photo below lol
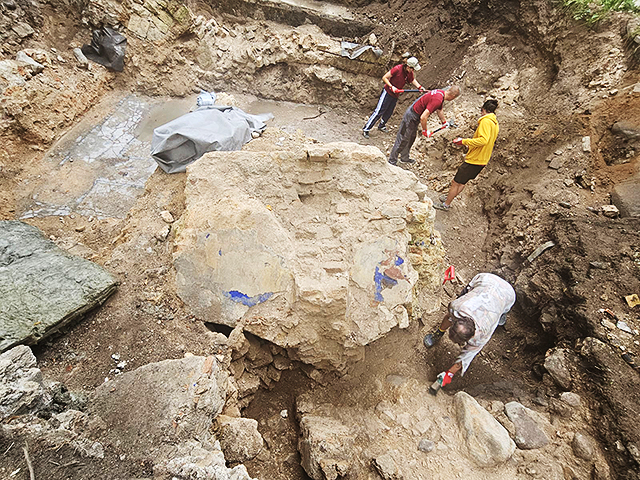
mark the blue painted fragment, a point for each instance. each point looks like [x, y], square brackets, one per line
[382, 281]
[244, 299]
[220, 252]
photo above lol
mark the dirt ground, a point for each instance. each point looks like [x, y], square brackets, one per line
[512, 208]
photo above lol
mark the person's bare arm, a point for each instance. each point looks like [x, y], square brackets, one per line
[423, 119]
[440, 113]
[387, 81]
[455, 368]
[416, 84]
[446, 322]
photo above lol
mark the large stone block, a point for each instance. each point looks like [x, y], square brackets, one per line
[43, 287]
[487, 441]
[165, 402]
[626, 196]
[307, 249]
[21, 386]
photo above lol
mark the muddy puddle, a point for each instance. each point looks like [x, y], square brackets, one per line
[100, 167]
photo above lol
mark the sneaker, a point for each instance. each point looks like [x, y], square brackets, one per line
[442, 198]
[408, 160]
[383, 128]
[441, 206]
[393, 162]
[432, 338]
[365, 134]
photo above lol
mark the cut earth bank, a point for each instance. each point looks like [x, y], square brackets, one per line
[334, 406]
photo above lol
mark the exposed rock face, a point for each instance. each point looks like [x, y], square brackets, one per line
[21, 387]
[528, 434]
[325, 447]
[488, 442]
[310, 250]
[172, 400]
[556, 365]
[239, 438]
[43, 287]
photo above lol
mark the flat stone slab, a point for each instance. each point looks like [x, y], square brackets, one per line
[43, 287]
[626, 196]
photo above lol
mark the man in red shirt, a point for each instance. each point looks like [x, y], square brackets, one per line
[394, 80]
[417, 114]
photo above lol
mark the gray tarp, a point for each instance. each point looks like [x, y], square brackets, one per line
[182, 141]
[353, 50]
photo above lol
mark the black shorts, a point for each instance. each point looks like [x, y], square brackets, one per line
[467, 172]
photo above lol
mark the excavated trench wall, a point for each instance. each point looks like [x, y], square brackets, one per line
[558, 69]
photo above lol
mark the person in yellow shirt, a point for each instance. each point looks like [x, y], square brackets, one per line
[480, 149]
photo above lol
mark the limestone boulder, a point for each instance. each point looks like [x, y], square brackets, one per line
[239, 438]
[325, 447]
[529, 435]
[487, 441]
[21, 386]
[626, 197]
[165, 402]
[318, 251]
[556, 364]
[583, 446]
[191, 460]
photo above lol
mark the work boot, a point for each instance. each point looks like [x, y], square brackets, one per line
[432, 338]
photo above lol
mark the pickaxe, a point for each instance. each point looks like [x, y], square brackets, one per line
[447, 124]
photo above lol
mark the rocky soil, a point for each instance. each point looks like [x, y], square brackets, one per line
[570, 125]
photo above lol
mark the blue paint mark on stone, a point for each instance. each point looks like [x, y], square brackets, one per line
[220, 252]
[244, 299]
[382, 281]
[399, 261]
[207, 236]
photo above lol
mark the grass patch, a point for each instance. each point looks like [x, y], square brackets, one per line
[593, 11]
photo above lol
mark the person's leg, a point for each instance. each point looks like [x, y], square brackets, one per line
[400, 138]
[465, 173]
[410, 135]
[454, 191]
[377, 112]
[387, 110]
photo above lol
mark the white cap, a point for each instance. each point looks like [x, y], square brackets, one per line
[413, 63]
